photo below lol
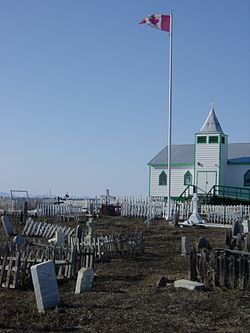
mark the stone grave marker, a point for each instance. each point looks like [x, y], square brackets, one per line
[185, 248]
[58, 240]
[79, 232]
[246, 226]
[195, 217]
[45, 285]
[25, 210]
[19, 240]
[84, 280]
[7, 225]
[239, 242]
[203, 243]
[190, 285]
[247, 243]
[90, 232]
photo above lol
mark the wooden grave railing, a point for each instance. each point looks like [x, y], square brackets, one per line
[221, 267]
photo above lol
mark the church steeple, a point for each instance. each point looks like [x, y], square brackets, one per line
[211, 124]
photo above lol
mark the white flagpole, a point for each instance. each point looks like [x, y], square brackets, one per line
[169, 215]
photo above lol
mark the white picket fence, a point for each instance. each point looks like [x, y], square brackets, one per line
[154, 209]
[139, 207]
[225, 214]
[150, 209]
[53, 210]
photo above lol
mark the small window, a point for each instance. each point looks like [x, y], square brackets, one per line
[188, 178]
[163, 178]
[222, 139]
[213, 139]
[247, 178]
[201, 139]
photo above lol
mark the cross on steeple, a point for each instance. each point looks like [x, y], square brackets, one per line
[212, 104]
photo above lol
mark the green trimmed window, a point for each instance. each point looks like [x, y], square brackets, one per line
[201, 139]
[163, 178]
[213, 139]
[188, 178]
[222, 139]
[247, 178]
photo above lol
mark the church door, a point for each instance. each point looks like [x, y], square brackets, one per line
[205, 181]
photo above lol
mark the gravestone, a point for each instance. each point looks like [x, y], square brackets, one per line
[190, 285]
[19, 240]
[185, 248]
[58, 240]
[236, 228]
[7, 225]
[25, 210]
[203, 243]
[45, 285]
[247, 243]
[79, 232]
[239, 242]
[84, 280]
[195, 217]
[246, 226]
[90, 232]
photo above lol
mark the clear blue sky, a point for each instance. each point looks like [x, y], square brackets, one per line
[83, 88]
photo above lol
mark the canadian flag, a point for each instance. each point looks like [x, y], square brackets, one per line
[158, 21]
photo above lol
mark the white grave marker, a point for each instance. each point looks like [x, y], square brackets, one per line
[246, 226]
[195, 217]
[84, 280]
[45, 285]
[185, 248]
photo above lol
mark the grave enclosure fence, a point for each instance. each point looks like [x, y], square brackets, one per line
[16, 261]
[221, 267]
[79, 250]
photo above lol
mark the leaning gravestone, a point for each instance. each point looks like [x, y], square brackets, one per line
[84, 280]
[59, 239]
[7, 225]
[45, 285]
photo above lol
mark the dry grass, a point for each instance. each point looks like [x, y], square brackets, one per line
[124, 297]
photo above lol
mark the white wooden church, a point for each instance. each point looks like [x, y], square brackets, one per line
[210, 161]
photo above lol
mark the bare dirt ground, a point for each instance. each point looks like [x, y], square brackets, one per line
[125, 298]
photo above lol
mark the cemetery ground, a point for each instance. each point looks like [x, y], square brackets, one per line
[125, 296]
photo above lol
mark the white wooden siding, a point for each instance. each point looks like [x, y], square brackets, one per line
[177, 181]
[207, 158]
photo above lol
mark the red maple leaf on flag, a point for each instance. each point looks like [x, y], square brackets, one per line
[152, 19]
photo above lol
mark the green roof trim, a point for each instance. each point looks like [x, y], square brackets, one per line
[238, 163]
[172, 164]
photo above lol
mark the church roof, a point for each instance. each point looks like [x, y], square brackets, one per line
[211, 124]
[239, 153]
[179, 154]
[184, 154]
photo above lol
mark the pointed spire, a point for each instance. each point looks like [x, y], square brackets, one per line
[211, 124]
